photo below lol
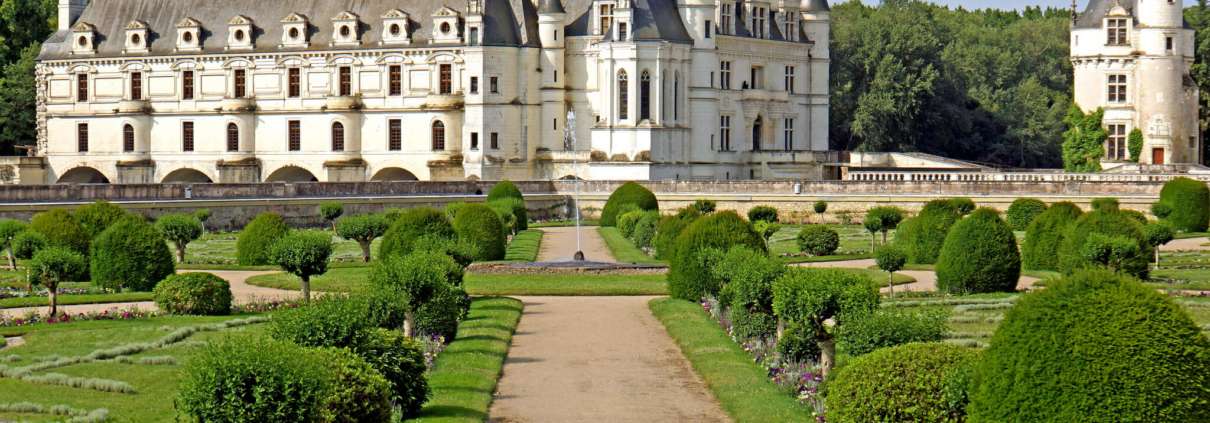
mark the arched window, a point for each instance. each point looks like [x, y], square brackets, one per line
[645, 96]
[438, 136]
[128, 138]
[232, 137]
[623, 96]
[338, 137]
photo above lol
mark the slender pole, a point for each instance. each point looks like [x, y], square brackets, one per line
[570, 135]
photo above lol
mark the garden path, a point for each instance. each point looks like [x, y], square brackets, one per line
[926, 280]
[559, 244]
[1187, 244]
[597, 359]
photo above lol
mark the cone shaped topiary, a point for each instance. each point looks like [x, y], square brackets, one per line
[921, 237]
[252, 246]
[504, 189]
[1045, 234]
[628, 193]
[979, 255]
[1023, 211]
[1189, 202]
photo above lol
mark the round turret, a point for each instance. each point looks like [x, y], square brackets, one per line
[1159, 13]
[550, 7]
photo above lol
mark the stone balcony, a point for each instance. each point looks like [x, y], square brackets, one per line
[764, 95]
[238, 104]
[134, 106]
[452, 100]
[345, 102]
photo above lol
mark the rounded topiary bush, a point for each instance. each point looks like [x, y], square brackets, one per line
[410, 225]
[818, 240]
[513, 210]
[480, 227]
[627, 221]
[28, 242]
[1094, 346]
[254, 379]
[1045, 234]
[400, 360]
[765, 213]
[963, 205]
[504, 189]
[921, 237]
[1023, 211]
[629, 193]
[1189, 201]
[195, 294]
[669, 228]
[61, 229]
[1109, 223]
[96, 217]
[1105, 203]
[130, 254]
[255, 241]
[979, 255]
[330, 321]
[645, 229]
[690, 277]
[358, 392]
[907, 383]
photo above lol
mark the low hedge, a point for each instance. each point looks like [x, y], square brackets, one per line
[254, 242]
[747, 277]
[979, 255]
[1189, 201]
[884, 328]
[922, 236]
[194, 294]
[629, 193]
[818, 240]
[479, 226]
[913, 382]
[130, 254]
[330, 321]
[689, 276]
[411, 224]
[1023, 211]
[1044, 236]
[645, 229]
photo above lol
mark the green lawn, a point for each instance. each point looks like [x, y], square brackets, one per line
[216, 250]
[623, 250]
[742, 387]
[77, 299]
[854, 243]
[524, 246]
[353, 279]
[464, 377]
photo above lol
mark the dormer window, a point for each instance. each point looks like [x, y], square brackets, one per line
[445, 26]
[136, 37]
[395, 27]
[294, 31]
[239, 33]
[345, 27]
[84, 34]
[1116, 30]
[187, 35]
[726, 17]
[604, 18]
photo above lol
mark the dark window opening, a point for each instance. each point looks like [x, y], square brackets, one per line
[232, 137]
[395, 135]
[294, 136]
[338, 137]
[186, 136]
[438, 136]
[127, 138]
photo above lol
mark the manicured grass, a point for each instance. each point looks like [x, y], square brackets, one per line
[1185, 235]
[1198, 279]
[464, 377]
[623, 250]
[121, 297]
[524, 246]
[216, 250]
[854, 244]
[741, 386]
[880, 278]
[353, 279]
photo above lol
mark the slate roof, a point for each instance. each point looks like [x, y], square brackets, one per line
[1094, 15]
[650, 20]
[815, 6]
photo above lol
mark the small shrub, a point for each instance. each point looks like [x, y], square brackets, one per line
[762, 213]
[645, 229]
[303, 254]
[28, 242]
[1105, 203]
[440, 315]
[963, 205]
[202, 215]
[1138, 216]
[194, 294]
[1188, 202]
[181, 229]
[330, 211]
[254, 242]
[461, 252]
[513, 210]
[669, 228]
[415, 280]
[53, 265]
[921, 237]
[747, 277]
[704, 206]
[61, 229]
[689, 277]
[1157, 234]
[627, 221]
[1045, 234]
[884, 328]
[1161, 210]
[628, 193]
[1023, 211]
[363, 229]
[9, 229]
[253, 379]
[1094, 346]
[821, 207]
[504, 189]
[130, 254]
[818, 240]
[401, 361]
[890, 259]
[358, 393]
[411, 225]
[980, 255]
[903, 383]
[330, 321]
[884, 219]
[798, 344]
[480, 227]
[1109, 251]
[97, 216]
[1109, 223]
[811, 297]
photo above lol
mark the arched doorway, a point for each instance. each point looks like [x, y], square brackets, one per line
[757, 130]
[291, 174]
[393, 174]
[186, 176]
[83, 175]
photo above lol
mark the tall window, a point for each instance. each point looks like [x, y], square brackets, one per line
[187, 85]
[790, 79]
[82, 137]
[294, 76]
[788, 27]
[473, 38]
[127, 138]
[724, 130]
[346, 81]
[1115, 31]
[495, 84]
[788, 134]
[724, 75]
[338, 136]
[396, 79]
[606, 12]
[241, 87]
[623, 97]
[1115, 144]
[82, 87]
[186, 136]
[759, 15]
[676, 97]
[395, 135]
[645, 96]
[447, 78]
[757, 78]
[474, 141]
[623, 32]
[495, 141]
[725, 16]
[294, 135]
[758, 129]
[709, 28]
[1169, 44]
[438, 136]
[474, 85]
[1116, 89]
[232, 137]
[136, 85]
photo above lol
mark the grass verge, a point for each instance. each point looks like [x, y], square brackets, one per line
[623, 250]
[354, 279]
[122, 297]
[465, 375]
[524, 246]
[740, 385]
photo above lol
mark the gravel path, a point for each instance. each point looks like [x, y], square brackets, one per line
[926, 280]
[597, 359]
[559, 244]
[1186, 244]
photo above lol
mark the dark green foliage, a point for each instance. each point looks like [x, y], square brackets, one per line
[304, 254]
[401, 361]
[645, 229]
[963, 205]
[887, 328]
[704, 206]
[1188, 203]
[798, 344]
[1157, 234]
[420, 279]
[890, 258]
[53, 265]
[364, 229]
[1045, 234]
[61, 229]
[689, 277]
[194, 293]
[254, 379]
[411, 225]
[202, 214]
[1108, 223]
[254, 242]
[181, 229]
[130, 254]
[629, 193]
[1161, 210]
[1023, 211]
[980, 255]
[358, 393]
[331, 210]
[902, 384]
[818, 240]
[810, 297]
[1105, 203]
[921, 237]
[479, 226]
[28, 242]
[1083, 143]
[504, 189]
[765, 213]
[330, 321]
[1112, 252]
[882, 219]
[96, 217]
[820, 207]
[669, 228]
[1134, 143]
[441, 314]
[747, 277]
[1094, 346]
[460, 251]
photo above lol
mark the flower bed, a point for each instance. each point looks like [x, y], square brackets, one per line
[129, 313]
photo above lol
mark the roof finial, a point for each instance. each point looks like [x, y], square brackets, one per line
[1074, 15]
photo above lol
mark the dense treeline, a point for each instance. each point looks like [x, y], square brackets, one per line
[24, 24]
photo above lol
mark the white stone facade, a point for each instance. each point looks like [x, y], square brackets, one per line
[149, 91]
[1132, 59]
